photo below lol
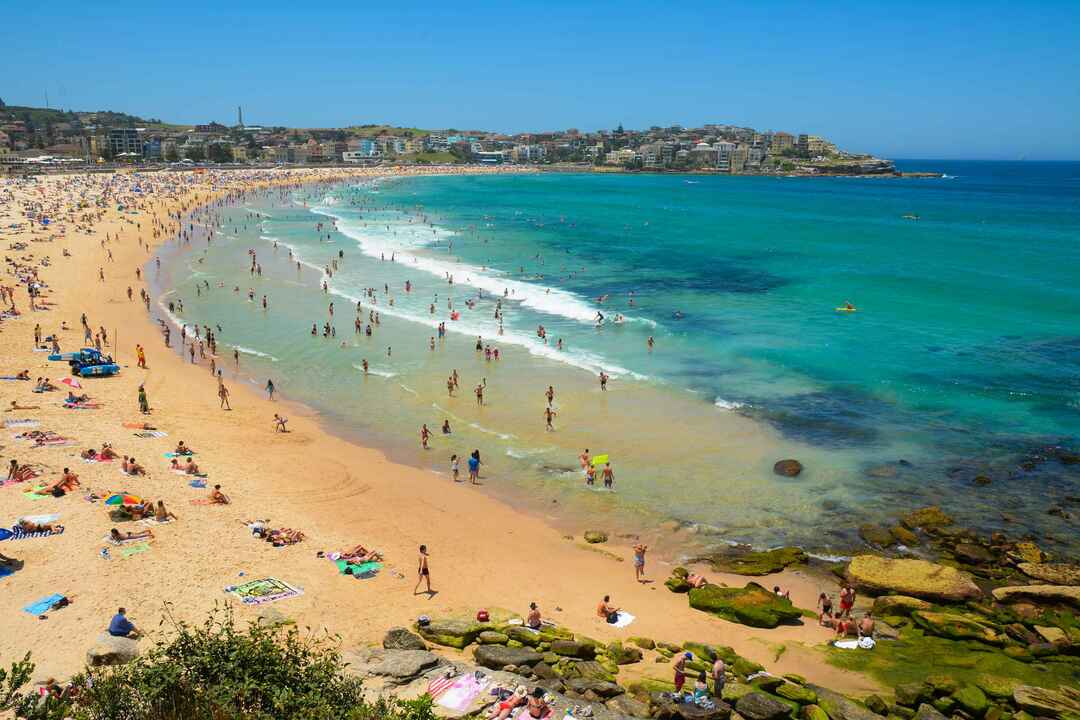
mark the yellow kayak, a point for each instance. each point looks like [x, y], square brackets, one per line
[844, 309]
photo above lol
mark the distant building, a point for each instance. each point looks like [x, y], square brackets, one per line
[780, 142]
[814, 146]
[125, 141]
[436, 143]
[725, 156]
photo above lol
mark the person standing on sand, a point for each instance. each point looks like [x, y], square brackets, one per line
[270, 389]
[422, 571]
[847, 601]
[603, 380]
[223, 393]
[474, 467]
[609, 476]
[425, 435]
[639, 561]
[141, 355]
[550, 394]
[549, 415]
[144, 404]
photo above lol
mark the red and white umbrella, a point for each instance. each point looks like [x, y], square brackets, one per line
[72, 382]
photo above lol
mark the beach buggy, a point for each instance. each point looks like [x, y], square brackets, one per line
[88, 362]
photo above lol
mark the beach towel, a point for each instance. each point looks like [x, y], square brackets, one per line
[151, 522]
[205, 501]
[625, 619]
[34, 496]
[43, 605]
[146, 434]
[136, 426]
[361, 570]
[523, 714]
[266, 590]
[123, 540]
[201, 484]
[11, 377]
[439, 685]
[21, 422]
[5, 571]
[460, 696]
[83, 406]
[171, 455]
[847, 644]
[134, 549]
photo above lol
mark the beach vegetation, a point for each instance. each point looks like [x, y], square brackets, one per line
[219, 669]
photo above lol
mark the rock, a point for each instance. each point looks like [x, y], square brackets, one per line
[838, 707]
[744, 668]
[1046, 702]
[942, 684]
[973, 554]
[1026, 551]
[798, 693]
[626, 705]
[928, 712]
[496, 657]
[523, 635]
[919, 578]
[757, 706]
[569, 648]
[701, 650]
[644, 643]
[883, 471]
[971, 700]
[996, 687]
[111, 650]
[589, 669]
[596, 536]
[1047, 593]
[515, 644]
[927, 518]
[957, 627]
[813, 712]
[677, 584]
[911, 694]
[752, 605]
[544, 671]
[492, 637]
[767, 683]
[403, 666]
[757, 563]
[1053, 573]
[876, 535]
[787, 468]
[400, 638]
[1052, 634]
[600, 688]
[982, 480]
[944, 705]
[273, 617]
[904, 536]
[452, 633]
[898, 605]
[623, 655]
[664, 708]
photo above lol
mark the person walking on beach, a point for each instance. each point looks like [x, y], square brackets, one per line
[141, 354]
[474, 467]
[549, 415]
[603, 380]
[480, 395]
[144, 404]
[639, 561]
[550, 394]
[270, 389]
[425, 435]
[223, 393]
[423, 572]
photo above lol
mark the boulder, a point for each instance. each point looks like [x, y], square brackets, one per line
[898, 605]
[767, 683]
[400, 638]
[838, 707]
[523, 635]
[111, 650]
[971, 700]
[600, 688]
[919, 578]
[1069, 594]
[876, 705]
[1053, 573]
[1052, 634]
[758, 706]
[623, 654]
[912, 694]
[927, 518]
[595, 536]
[928, 712]
[665, 708]
[876, 535]
[797, 693]
[1045, 702]
[957, 627]
[787, 468]
[497, 657]
[813, 712]
[762, 562]
[402, 666]
[942, 684]
[452, 633]
[973, 554]
[996, 687]
[643, 642]
[569, 648]
[589, 669]
[904, 536]
[1026, 551]
[752, 605]
[701, 650]
[677, 584]
[492, 637]
[628, 706]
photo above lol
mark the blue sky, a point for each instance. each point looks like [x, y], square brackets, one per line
[989, 80]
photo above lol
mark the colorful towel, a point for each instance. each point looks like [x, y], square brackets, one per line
[460, 696]
[361, 570]
[17, 533]
[146, 434]
[267, 590]
[83, 406]
[171, 455]
[34, 496]
[43, 605]
[439, 685]
[21, 422]
[134, 549]
[200, 484]
[5, 571]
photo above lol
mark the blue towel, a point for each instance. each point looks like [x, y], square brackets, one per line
[5, 571]
[42, 606]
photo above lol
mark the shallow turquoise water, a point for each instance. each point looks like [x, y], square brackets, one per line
[961, 360]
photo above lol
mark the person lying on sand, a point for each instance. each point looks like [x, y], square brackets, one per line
[73, 399]
[696, 581]
[29, 525]
[45, 385]
[119, 537]
[16, 406]
[67, 483]
[191, 468]
[89, 454]
[107, 452]
[506, 708]
[24, 375]
[284, 536]
[360, 554]
[163, 515]
[217, 497]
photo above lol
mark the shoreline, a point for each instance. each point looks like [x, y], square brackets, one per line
[469, 524]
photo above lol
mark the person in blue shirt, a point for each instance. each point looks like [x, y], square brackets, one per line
[120, 626]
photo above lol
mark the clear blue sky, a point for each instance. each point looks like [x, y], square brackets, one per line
[914, 79]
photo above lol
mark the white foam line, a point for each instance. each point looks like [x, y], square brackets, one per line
[256, 353]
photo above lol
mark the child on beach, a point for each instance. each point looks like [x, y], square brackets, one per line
[422, 571]
[454, 468]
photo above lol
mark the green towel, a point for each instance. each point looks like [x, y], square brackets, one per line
[31, 495]
[134, 549]
[362, 569]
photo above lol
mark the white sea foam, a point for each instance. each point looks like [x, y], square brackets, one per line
[375, 371]
[500, 435]
[256, 353]
[728, 404]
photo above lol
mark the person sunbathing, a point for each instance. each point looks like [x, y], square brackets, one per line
[24, 375]
[696, 581]
[131, 467]
[45, 385]
[191, 468]
[217, 497]
[15, 406]
[174, 465]
[182, 449]
[163, 515]
[360, 554]
[73, 399]
[31, 526]
[284, 536]
[506, 708]
[67, 483]
[118, 537]
[89, 454]
[107, 452]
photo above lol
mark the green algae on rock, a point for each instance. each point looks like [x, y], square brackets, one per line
[918, 578]
[752, 605]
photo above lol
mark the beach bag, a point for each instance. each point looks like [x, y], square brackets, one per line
[423, 621]
[57, 492]
[613, 618]
[482, 616]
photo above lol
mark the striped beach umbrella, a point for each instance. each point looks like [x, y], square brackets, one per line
[123, 499]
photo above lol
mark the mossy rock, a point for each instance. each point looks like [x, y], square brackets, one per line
[735, 690]
[570, 648]
[1026, 551]
[757, 563]
[943, 705]
[515, 644]
[644, 643]
[767, 683]
[491, 637]
[927, 518]
[664, 652]
[795, 678]
[701, 650]
[996, 687]
[876, 535]
[677, 584]
[957, 627]
[452, 633]
[813, 712]
[942, 684]
[595, 536]
[904, 536]
[743, 667]
[876, 705]
[887, 605]
[622, 654]
[680, 572]
[796, 693]
[917, 578]
[752, 605]
[645, 687]
[971, 700]
[912, 694]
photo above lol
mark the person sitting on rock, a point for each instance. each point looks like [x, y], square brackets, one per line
[786, 594]
[505, 708]
[844, 628]
[538, 704]
[533, 620]
[120, 626]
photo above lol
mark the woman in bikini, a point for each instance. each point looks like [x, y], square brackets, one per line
[118, 537]
[422, 570]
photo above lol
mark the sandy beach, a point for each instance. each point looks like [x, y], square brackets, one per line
[484, 553]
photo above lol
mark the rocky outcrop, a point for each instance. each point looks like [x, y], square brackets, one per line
[1043, 702]
[600, 688]
[400, 638]
[452, 633]
[918, 578]
[756, 563]
[111, 650]
[405, 664]
[876, 535]
[957, 627]
[1069, 594]
[1054, 573]
[595, 536]
[928, 712]
[787, 468]
[758, 706]
[838, 707]
[752, 605]
[497, 657]
[898, 605]
[570, 648]
[927, 518]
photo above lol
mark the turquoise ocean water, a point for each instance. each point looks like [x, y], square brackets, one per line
[962, 360]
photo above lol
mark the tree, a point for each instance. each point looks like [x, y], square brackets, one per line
[171, 155]
[195, 153]
[220, 153]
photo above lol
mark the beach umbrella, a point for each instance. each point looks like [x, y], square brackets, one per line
[123, 499]
[72, 382]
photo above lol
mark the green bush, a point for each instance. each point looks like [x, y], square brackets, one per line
[222, 672]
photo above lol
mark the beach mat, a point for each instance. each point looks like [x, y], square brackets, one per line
[43, 605]
[134, 549]
[146, 434]
[5, 571]
[362, 570]
[460, 696]
[17, 533]
[34, 496]
[266, 590]
[21, 422]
